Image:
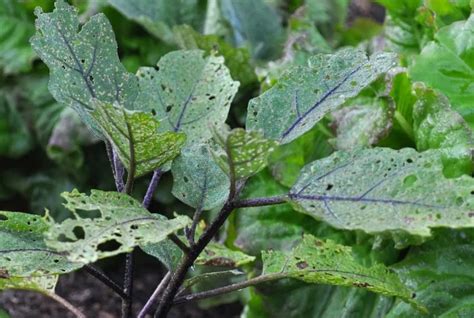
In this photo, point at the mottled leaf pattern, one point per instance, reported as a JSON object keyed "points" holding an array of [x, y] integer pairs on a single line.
{"points": [[135, 137], [187, 92], [379, 190], [325, 262], [198, 180], [217, 254], [107, 218], [83, 65], [304, 94]]}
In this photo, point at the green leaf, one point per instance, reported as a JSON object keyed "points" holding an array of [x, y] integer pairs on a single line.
{"points": [[135, 137], [379, 190], [325, 262], [441, 273], [16, 55], [25, 260], [187, 92], [83, 65], [362, 123], [197, 180], [166, 252], [245, 153], [306, 93], [436, 126], [447, 64], [107, 218], [217, 254], [159, 16]]}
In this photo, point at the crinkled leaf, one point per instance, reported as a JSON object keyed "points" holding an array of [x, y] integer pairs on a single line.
{"points": [[378, 190], [362, 123], [16, 55], [23, 253], [447, 64], [217, 254], [135, 137], [83, 65], [244, 153], [197, 180], [325, 262], [107, 218], [306, 93], [187, 92], [436, 125], [440, 271], [159, 16]]}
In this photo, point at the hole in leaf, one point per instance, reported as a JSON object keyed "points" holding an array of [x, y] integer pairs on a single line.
{"points": [[79, 232], [185, 179], [153, 112], [409, 160], [168, 108], [3, 217], [212, 97], [109, 246], [156, 67], [89, 214], [64, 238], [329, 187]]}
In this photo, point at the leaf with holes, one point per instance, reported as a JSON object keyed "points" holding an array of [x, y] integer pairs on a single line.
{"points": [[304, 94], [136, 139], [325, 262], [107, 224], [197, 180], [244, 153], [379, 190], [83, 65], [187, 92], [45, 284], [217, 254]]}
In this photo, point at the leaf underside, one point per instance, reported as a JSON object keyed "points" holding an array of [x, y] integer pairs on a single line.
{"points": [[219, 255]]}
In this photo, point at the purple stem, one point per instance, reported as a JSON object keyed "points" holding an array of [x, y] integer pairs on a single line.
{"points": [[152, 187]]}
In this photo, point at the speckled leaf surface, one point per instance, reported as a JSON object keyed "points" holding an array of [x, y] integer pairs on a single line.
{"points": [[23, 252], [304, 94], [197, 180], [107, 218], [325, 262], [379, 190], [34, 283], [244, 152], [83, 64], [217, 254], [135, 137], [187, 92]]}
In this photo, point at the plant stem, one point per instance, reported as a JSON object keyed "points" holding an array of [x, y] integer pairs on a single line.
{"points": [[66, 304], [154, 297], [189, 258], [119, 172], [254, 202], [105, 280], [128, 286], [152, 187], [176, 240], [227, 289]]}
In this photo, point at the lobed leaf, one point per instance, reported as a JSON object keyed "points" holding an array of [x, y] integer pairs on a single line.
{"points": [[135, 137], [306, 93], [187, 92], [197, 179], [217, 254], [83, 65], [325, 262], [380, 190], [107, 224]]}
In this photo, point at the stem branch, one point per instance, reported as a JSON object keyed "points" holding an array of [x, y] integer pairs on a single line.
{"points": [[152, 187], [105, 280], [254, 202], [154, 297]]}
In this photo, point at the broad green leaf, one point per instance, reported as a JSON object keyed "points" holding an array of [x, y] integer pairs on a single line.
{"points": [[253, 23], [187, 92], [197, 180], [217, 254], [236, 59], [25, 260], [447, 64], [436, 125], [159, 16], [440, 271], [362, 123], [83, 65], [16, 55], [135, 137], [306, 93], [244, 153], [107, 218], [166, 252], [325, 262], [379, 190]]}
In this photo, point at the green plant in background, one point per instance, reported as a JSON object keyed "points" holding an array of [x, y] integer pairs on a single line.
{"points": [[344, 160]]}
